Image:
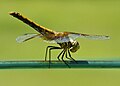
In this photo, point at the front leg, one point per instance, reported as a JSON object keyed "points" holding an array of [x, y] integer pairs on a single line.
{"points": [[71, 56], [64, 52], [66, 55]]}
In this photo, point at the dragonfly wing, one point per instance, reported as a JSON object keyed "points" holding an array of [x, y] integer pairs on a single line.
{"points": [[88, 36], [26, 37], [71, 36], [63, 39]]}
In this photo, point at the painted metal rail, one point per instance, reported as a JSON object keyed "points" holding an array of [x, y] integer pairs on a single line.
{"points": [[28, 64]]}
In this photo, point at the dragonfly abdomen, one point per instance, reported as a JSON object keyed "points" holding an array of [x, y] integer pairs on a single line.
{"points": [[32, 24]]}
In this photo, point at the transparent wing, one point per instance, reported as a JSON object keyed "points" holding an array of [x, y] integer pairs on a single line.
{"points": [[71, 36], [68, 36], [26, 37], [88, 36], [63, 39], [29, 36]]}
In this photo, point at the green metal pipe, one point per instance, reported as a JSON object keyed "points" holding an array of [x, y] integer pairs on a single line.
{"points": [[56, 64]]}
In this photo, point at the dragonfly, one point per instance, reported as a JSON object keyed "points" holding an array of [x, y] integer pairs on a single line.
{"points": [[66, 40]]}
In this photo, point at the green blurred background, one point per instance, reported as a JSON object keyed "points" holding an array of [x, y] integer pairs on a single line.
{"points": [[83, 16]]}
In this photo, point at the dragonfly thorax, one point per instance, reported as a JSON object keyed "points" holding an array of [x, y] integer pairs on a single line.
{"points": [[73, 46]]}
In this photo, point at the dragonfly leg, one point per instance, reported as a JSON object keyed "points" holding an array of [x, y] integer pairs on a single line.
{"points": [[66, 55], [60, 55], [52, 48], [64, 51], [71, 56], [47, 50]]}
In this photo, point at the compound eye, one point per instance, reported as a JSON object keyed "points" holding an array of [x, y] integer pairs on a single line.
{"points": [[75, 46]]}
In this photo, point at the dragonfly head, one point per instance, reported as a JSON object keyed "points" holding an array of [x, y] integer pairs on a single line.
{"points": [[74, 46]]}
